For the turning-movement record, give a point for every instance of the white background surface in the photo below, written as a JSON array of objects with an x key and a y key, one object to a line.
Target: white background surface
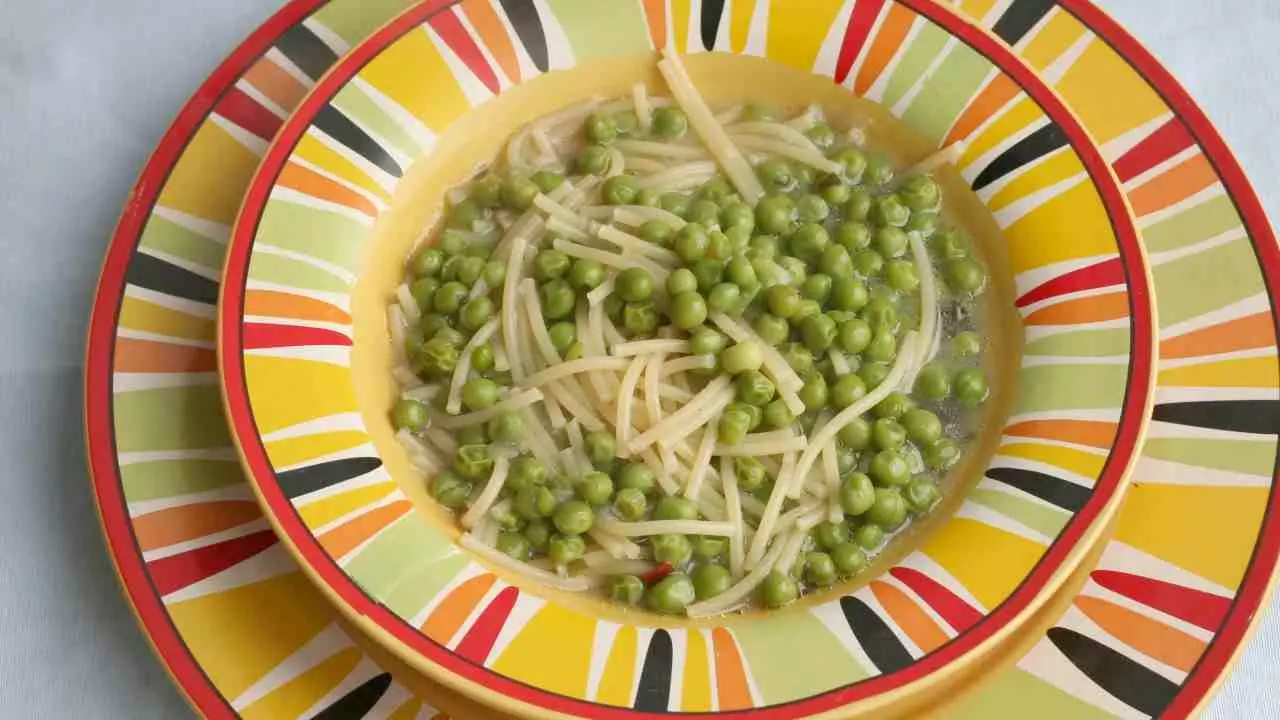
[{"x": 87, "y": 88}]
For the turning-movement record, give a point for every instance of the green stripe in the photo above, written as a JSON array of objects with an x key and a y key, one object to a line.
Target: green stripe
[
  {"x": 1206, "y": 220},
  {"x": 422, "y": 583},
  {"x": 946, "y": 94},
  {"x": 917, "y": 58},
  {"x": 357, "y": 105},
  {"x": 1016, "y": 693},
  {"x": 1064, "y": 387},
  {"x": 1046, "y": 520},
  {"x": 173, "y": 239},
  {"x": 596, "y": 29},
  {"x": 1194, "y": 285},
  {"x": 1085, "y": 343},
  {"x": 355, "y": 20},
  {"x": 181, "y": 418},
  {"x": 172, "y": 478},
  {"x": 294, "y": 273},
  {"x": 769, "y": 646},
  {"x": 320, "y": 234},
  {"x": 407, "y": 543},
  {"x": 1255, "y": 457}
]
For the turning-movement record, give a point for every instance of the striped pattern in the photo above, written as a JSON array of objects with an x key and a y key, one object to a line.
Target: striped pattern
[{"x": 308, "y": 247}]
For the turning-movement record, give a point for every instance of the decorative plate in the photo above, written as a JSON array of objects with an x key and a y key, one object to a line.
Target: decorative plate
[
  {"x": 302, "y": 309},
  {"x": 1152, "y": 633}
]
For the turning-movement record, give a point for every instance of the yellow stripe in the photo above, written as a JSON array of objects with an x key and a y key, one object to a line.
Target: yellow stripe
[
  {"x": 976, "y": 9},
  {"x": 697, "y": 674},
  {"x": 619, "y": 674},
  {"x": 570, "y": 633},
  {"x": 740, "y": 23},
  {"x": 1060, "y": 33},
  {"x": 300, "y": 694},
  {"x": 212, "y": 153},
  {"x": 1046, "y": 173},
  {"x": 321, "y": 155},
  {"x": 965, "y": 548},
  {"x": 1108, "y": 97},
  {"x": 1259, "y": 372},
  {"x": 1077, "y": 461},
  {"x": 413, "y": 73},
  {"x": 283, "y": 391},
  {"x": 1021, "y": 114},
  {"x": 326, "y": 510},
  {"x": 1209, "y": 531},
  {"x": 295, "y": 450},
  {"x": 148, "y": 317},
  {"x": 1073, "y": 224},
  {"x": 795, "y": 37}
]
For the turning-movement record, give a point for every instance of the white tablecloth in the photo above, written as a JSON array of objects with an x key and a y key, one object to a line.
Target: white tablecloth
[{"x": 87, "y": 88}]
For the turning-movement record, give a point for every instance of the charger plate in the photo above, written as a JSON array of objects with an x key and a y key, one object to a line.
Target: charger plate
[{"x": 1155, "y": 627}]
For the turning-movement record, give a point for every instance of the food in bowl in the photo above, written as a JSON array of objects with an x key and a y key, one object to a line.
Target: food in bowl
[{"x": 695, "y": 360}]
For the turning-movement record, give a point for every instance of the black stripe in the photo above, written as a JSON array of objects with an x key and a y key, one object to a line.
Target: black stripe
[
  {"x": 154, "y": 274},
  {"x": 523, "y": 16},
  {"x": 357, "y": 703},
  {"x": 1021, "y": 16},
  {"x": 1037, "y": 144},
  {"x": 340, "y": 128},
  {"x": 1131, "y": 683},
  {"x": 654, "y": 691},
  {"x": 711, "y": 12},
  {"x": 882, "y": 647},
  {"x": 1249, "y": 416},
  {"x": 307, "y": 51},
  {"x": 297, "y": 483},
  {"x": 1066, "y": 495}
]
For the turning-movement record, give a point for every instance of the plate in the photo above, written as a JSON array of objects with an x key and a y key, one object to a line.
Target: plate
[
  {"x": 217, "y": 644},
  {"x": 302, "y": 348}
]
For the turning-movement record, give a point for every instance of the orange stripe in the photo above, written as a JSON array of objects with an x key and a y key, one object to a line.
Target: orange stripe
[
  {"x": 1093, "y": 433},
  {"x": 150, "y": 356},
  {"x": 281, "y": 87},
  {"x": 1095, "y": 308},
  {"x": 487, "y": 23},
  {"x": 993, "y": 97},
  {"x": 349, "y": 535},
  {"x": 454, "y": 610},
  {"x": 916, "y": 623},
  {"x": 318, "y": 186},
  {"x": 892, "y": 32},
  {"x": 1168, "y": 645},
  {"x": 731, "y": 676},
  {"x": 180, "y": 524},
  {"x": 655, "y": 11},
  {"x": 1250, "y": 331},
  {"x": 272, "y": 303},
  {"x": 1184, "y": 180}
]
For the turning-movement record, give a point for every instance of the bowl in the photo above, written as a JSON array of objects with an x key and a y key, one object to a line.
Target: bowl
[{"x": 358, "y": 171}]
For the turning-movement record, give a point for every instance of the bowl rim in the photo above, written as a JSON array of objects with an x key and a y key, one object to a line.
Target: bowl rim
[{"x": 1082, "y": 531}]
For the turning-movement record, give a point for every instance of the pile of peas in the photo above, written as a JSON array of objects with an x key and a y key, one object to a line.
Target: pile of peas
[{"x": 821, "y": 263}]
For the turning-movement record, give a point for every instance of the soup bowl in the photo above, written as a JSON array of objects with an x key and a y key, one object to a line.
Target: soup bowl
[{"x": 345, "y": 191}]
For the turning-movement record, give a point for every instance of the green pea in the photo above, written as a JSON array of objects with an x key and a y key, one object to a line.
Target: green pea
[
  {"x": 482, "y": 358},
  {"x": 688, "y": 310},
  {"x": 754, "y": 388},
  {"x": 674, "y": 549},
  {"x": 469, "y": 215},
  {"x": 671, "y": 595},
  {"x": 966, "y": 344},
  {"x": 573, "y": 517},
  {"x": 517, "y": 193},
  {"x": 819, "y": 569},
  {"x": 881, "y": 314},
  {"x": 783, "y": 300},
  {"x": 889, "y": 211},
  {"x": 888, "y": 434},
  {"x": 473, "y": 462},
  {"x": 869, "y": 536},
  {"x": 814, "y": 393},
  {"x": 799, "y": 358},
  {"x": 449, "y": 297},
  {"x": 427, "y": 262},
  {"x": 595, "y": 488},
  {"x": 856, "y": 435},
  {"x": 734, "y": 425},
  {"x": 674, "y": 507},
  {"x": 742, "y": 357},
  {"x": 681, "y": 281},
  {"x": 476, "y": 313},
  {"x": 452, "y": 242},
  {"x": 933, "y": 383},
  {"x": 849, "y": 559},
  {"x": 640, "y": 318},
  {"x": 538, "y": 532},
  {"x": 674, "y": 203},
  {"x": 494, "y": 273},
  {"x": 766, "y": 246},
  {"x": 775, "y": 174},
  {"x": 691, "y": 242},
  {"x": 514, "y": 545},
  {"x": 921, "y": 495},
  {"x": 889, "y": 510},
  {"x": 704, "y": 212},
  {"x": 857, "y": 494},
  {"x": 778, "y": 589},
  {"x": 882, "y": 348},
  {"x": 853, "y": 162},
  {"x": 630, "y": 504},
  {"x": 470, "y": 268},
  {"x": 634, "y": 285},
  {"x": 970, "y": 387},
  {"x": 506, "y": 428},
  {"x": 526, "y": 471},
  {"x": 710, "y": 580},
  {"x": 920, "y": 192},
  {"x": 835, "y": 193},
  {"x": 893, "y": 406},
  {"x": 547, "y": 180},
  {"x": 602, "y": 448},
  {"x": 868, "y": 263},
  {"x": 772, "y": 329},
  {"x": 638, "y": 476},
  {"x": 816, "y": 287},
  {"x": 812, "y": 208},
  {"x": 821, "y": 135},
  {"x": 423, "y": 291},
  {"x": 846, "y": 459},
  {"x": 705, "y": 341},
  {"x": 809, "y": 242},
  {"x": 669, "y": 123},
  {"x": 819, "y": 332},
  {"x": 848, "y": 390},
  {"x": 922, "y": 426},
  {"x": 901, "y": 276},
  {"x": 709, "y": 547},
  {"x": 738, "y": 215},
  {"x": 855, "y": 335},
  {"x": 708, "y": 273},
  {"x": 479, "y": 393},
  {"x": 409, "y": 414},
  {"x": 656, "y": 232},
  {"x": 858, "y": 207},
  {"x": 950, "y": 244},
  {"x": 924, "y": 223},
  {"x": 941, "y": 455},
  {"x": 594, "y": 160},
  {"x": 965, "y": 275},
  {"x": 891, "y": 242},
  {"x": 450, "y": 490},
  {"x": 776, "y": 214},
  {"x": 830, "y": 534},
  {"x": 849, "y": 293},
  {"x": 750, "y": 473},
  {"x": 551, "y": 264},
  {"x": 586, "y": 274},
  {"x": 625, "y": 589},
  {"x": 600, "y": 129},
  {"x": 794, "y": 267},
  {"x": 758, "y": 111},
  {"x": 558, "y": 299},
  {"x": 879, "y": 169},
  {"x": 777, "y": 415},
  {"x": 565, "y": 549},
  {"x": 889, "y": 468},
  {"x": 620, "y": 190},
  {"x": 873, "y": 373},
  {"x": 740, "y": 272}
]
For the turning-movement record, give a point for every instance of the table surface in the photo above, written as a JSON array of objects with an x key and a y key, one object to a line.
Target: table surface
[{"x": 88, "y": 88}]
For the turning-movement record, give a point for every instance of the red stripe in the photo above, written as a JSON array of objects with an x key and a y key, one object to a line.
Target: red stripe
[
  {"x": 249, "y": 114},
  {"x": 259, "y": 336},
  {"x": 861, "y": 21},
  {"x": 1169, "y": 140},
  {"x": 1104, "y": 274},
  {"x": 459, "y": 40},
  {"x": 479, "y": 640},
  {"x": 1197, "y": 607},
  {"x": 175, "y": 572},
  {"x": 959, "y": 614}
]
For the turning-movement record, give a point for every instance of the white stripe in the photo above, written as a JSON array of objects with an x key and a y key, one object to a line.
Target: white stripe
[
  {"x": 990, "y": 191},
  {"x": 207, "y": 229},
  {"x": 171, "y": 302},
  {"x": 1161, "y": 168},
  {"x": 1249, "y": 306},
  {"x": 194, "y": 268},
  {"x": 1116, "y": 147},
  {"x": 944, "y": 54},
  {"x": 412, "y": 126},
  {"x": 257, "y": 524},
  {"x": 337, "y": 271},
  {"x": 1024, "y": 206},
  {"x": 876, "y": 91},
  {"x": 1055, "y": 71},
  {"x": 1210, "y": 193},
  {"x": 379, "y": 176},
  {"x": 1262, "y": 352},
  {"x": 327, "y": 643},
  {"x": 239, "y": 491},
  {"x": 294, "y": 197},
  {"x": 245, "y": 87},
  {"x": 332, "y": 423},
  {"x": 1226, "y": 238},
  {"x": 133, "y": 382},
  {"x": 289, "y": 68},
  {"x": 248, "y": 140},
  {"x": 328, "y": 37},
  {"x": 143, "y": 335}
]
